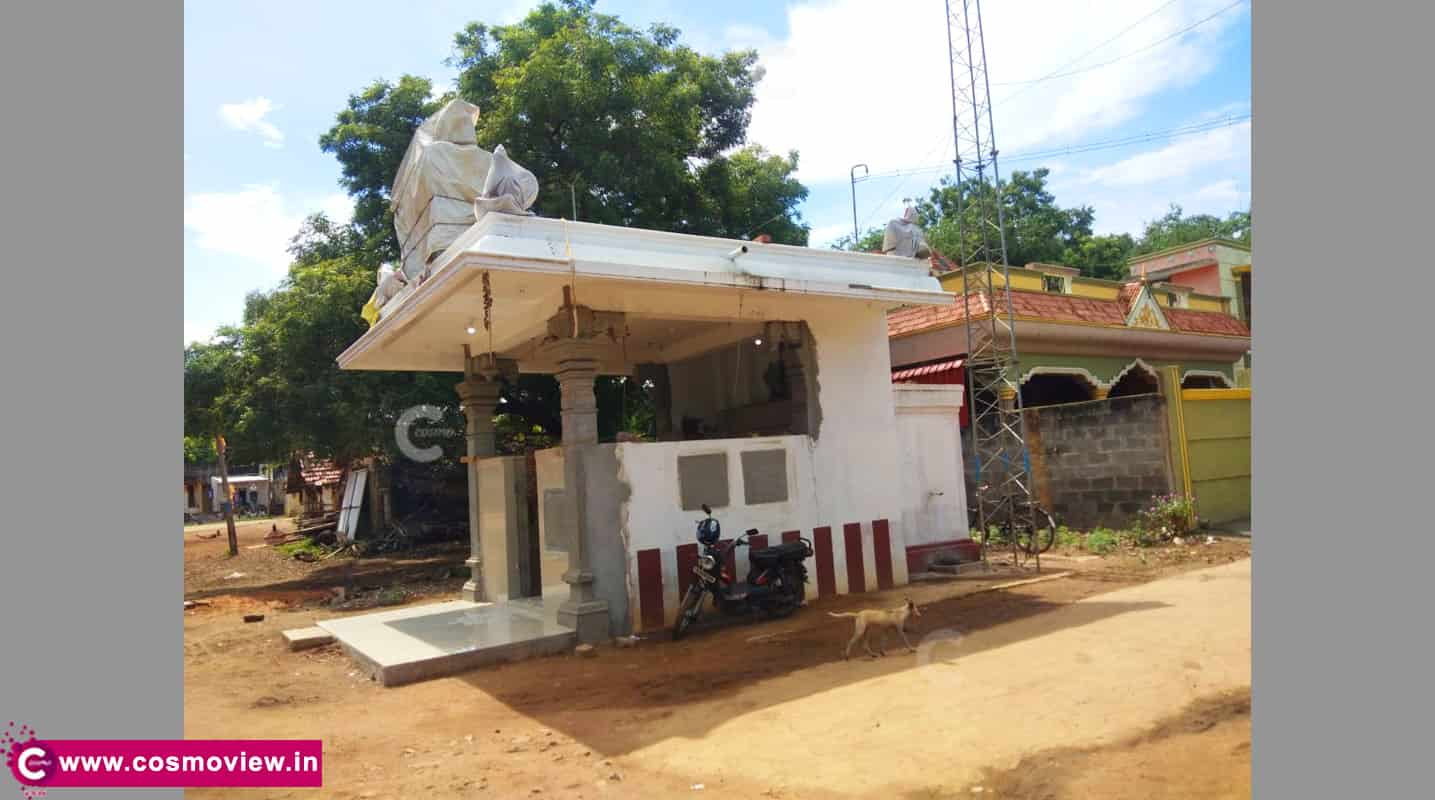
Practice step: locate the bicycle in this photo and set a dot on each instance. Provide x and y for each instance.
(1034, 534)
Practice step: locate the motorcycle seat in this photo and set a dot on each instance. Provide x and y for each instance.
(781, 552)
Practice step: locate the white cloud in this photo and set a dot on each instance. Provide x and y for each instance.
(825, 235)
(1179, 159)
(198, 332)
(249, 116)
(867, 80)
(254, 223)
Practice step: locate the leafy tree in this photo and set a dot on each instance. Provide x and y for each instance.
(198, 450)
(1175, 229)
(300, 400)
(627, 118)
(213, 373)
(369, 138)
(870, 242)
(750, 192)
(633, 127)
(1101, 256)
(320, 239)
(1037, 229)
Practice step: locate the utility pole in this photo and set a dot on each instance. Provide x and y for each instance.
(224, 503)
(852, 173)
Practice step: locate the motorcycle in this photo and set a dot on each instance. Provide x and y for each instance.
(776, 583)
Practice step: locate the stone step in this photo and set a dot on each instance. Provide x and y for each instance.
(307, 638)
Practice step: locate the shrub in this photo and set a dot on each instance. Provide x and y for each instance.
(1066, 537)
(1167, 516)
(1101, 541)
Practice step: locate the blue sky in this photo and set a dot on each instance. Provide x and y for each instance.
(848, 81)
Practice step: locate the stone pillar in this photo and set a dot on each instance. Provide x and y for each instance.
(479, 394)
(577, 369)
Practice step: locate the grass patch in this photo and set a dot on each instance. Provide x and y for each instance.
(1102, 541)
(309, 546)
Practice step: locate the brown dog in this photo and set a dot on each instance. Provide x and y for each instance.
(870, 620)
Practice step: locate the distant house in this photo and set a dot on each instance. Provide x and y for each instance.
(1078, 338)
(198, 497)
(1214, 267)
(311, 485)
(249, 488)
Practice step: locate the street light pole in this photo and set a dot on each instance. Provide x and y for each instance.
(852, 173)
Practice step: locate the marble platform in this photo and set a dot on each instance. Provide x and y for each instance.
(431, 641)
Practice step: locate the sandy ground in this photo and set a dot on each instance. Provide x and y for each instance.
(1127, 679)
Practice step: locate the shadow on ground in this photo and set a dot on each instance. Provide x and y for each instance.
(651, 681)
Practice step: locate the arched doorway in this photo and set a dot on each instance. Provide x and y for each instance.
(1055, 388)
(1205, 380)
(1137, 379)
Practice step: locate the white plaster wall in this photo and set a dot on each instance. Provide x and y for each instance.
(855, 456)
(654, 518)
(929, 435)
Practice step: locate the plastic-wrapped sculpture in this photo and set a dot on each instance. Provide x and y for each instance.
(391, 282)
(441, 175)
(904, 237)
(509, 188)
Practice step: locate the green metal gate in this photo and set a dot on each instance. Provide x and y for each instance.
(1211, 447)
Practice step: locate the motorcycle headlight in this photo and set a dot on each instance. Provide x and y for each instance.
(707, 562)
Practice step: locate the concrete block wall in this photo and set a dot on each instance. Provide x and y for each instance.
(1099, 463)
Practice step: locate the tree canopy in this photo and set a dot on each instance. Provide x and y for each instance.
(1039, 230)
(1175, 229)
(633, 126)
(620, 126)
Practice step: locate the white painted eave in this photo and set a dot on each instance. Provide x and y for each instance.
(654, 259)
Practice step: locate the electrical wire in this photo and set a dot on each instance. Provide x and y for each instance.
(1085, 147)
(1058, 74)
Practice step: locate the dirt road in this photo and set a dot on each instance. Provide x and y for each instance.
(1107, 683)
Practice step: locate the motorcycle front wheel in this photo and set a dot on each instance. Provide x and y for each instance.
(688, 611)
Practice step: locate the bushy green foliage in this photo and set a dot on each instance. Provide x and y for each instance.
(306, 546)
(1102, 541)
(1068, 538)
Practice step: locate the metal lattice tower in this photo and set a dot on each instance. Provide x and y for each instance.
(1003, 485)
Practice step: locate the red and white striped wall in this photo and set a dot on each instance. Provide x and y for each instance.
(850, 558)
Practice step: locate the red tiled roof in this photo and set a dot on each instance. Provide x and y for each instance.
(1057, 308)
(1187, 321)
(311, 471)
(930, 369)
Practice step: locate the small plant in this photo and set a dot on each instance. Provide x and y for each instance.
(1168, 516)
(1068, 538)
(1101, 541)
